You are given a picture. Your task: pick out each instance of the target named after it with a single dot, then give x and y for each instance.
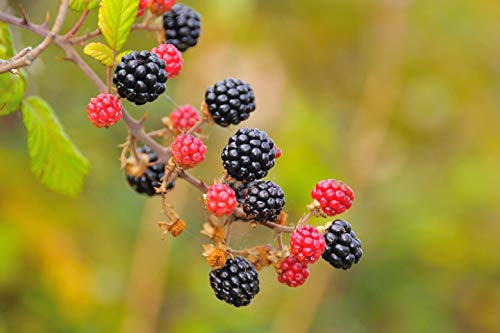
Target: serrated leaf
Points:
(100, 52)
(54, 158)
(81, 5)
(6, 47)
(115, 20)
(120, 55)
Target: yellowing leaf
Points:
(54, 158)
(100, 52)
(115, 20)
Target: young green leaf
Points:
(12, 86)
(115, 20)
(54, 158)
(100, 52)
(81, 5)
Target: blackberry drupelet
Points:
(182, 26)
(230, 101)
(264, 201)
(236, 283)
(343, 249)
(249, 155)
(152, 176)
(140, 77)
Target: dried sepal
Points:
(282, 218)
(214, 232)
(216, 256)
(262, 256)
(315, 208)
(175, 228)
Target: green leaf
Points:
(115, 20)
(54, 158)
(81, 5)
(6, 47)
(12, 86)
(120, 55)
(100, 52)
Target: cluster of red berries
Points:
(157, 7)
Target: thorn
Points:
(24, 15)
(45, 23)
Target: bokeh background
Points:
(400, 99)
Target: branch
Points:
(138, 26)
(28, 58)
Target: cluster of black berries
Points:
(182, 26)
(230, 101)
(140, 77)
(152, 176)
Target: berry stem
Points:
(78, 24)
(277, 227)
(197, 125)
(198, 183)
(305, 218)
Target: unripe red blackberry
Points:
(307, 244)
(183, 118)
(140, 77)
(292, 272)
(188, 151)
(172, 58)
(146, 178)
(343, 249)
(334, 196)
(182, 26)
(236, 283)
(264, 201)
(143, 5)
(159, 7)
(220, 200)
(104, 110)
(248, 155)
(230, 101)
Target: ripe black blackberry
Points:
(239, 188)
(236, 283)
(140, 77)
(151, 177)
(182, 26)
(264, 201)
(230, 101)
(249, 155)
(343, 249)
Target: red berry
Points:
(104, 110)
(220, 199)
(334, 196)
(159, 7)
(292, 272)
(143, 4)
(188, 151)
(278, 151)
(184, 118)
(307, 244)
(171, 56)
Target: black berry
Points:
(140, 77)
(249, 155)
(343, 249)
(182, 26)
(152, 176)
(239, 188)
(236, 283)
(230, 101)
(264, 201)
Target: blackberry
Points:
(263, 201)
(239, 188)
(230, 101)
(182, 26)
(343, 249)
(248, 155)
(236, 283)
(140, 77)
(151, 177)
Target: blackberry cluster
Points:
(182, 26)
(249, 155)
(264, 201)
(152, 176)
(230, 101)
(236, 283)
(140, 77)
(343, 249)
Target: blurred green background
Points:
(400, 99)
